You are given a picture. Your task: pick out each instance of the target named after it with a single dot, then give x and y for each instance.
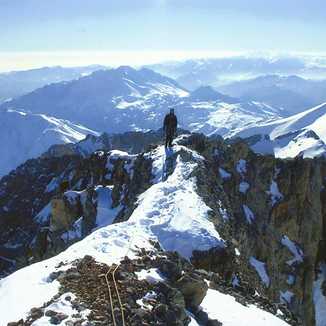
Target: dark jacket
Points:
(170, 123)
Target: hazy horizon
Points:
(19, 61)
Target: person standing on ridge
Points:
(170, 128)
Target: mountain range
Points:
(17, 83)
(221, 71)
(293, 93)
(126, 99)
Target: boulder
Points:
(171, 270)
(193, 290)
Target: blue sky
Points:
(32, 27)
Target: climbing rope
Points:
(110, 294)
(118, 295)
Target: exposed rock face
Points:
(273, 212)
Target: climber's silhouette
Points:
(170, 127)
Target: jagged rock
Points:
(57, 318)
(216, 259)
(193, 290)
(173, 296)
(89, 212)
(171, 270)
(36, 313)
(64, 213)
(19, 323)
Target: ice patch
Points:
(151, 275)
(75, 232)
(286, 297)
(248, 213)
(290, 279)
(53, 185)
(106, 214)
(224, 174)
(275, 193)
(294, 249)
(235, 281)
(44, 215)
(243, 187)
(260, 268)
(223, 211)
(242, 167)
(145, 301)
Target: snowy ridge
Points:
(303, 134)
(169, 212)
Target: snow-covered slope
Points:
(25, 135)
(230, 312)
(225, 119)
(301, 134)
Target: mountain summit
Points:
(178, 234)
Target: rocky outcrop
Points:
(64, 213)
(143, 302)
(272, 213)
(26, 192)
(193, 290)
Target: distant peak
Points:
(125, 69)
(208, 93)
